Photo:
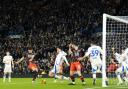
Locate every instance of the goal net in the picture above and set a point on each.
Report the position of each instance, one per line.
(115, 34)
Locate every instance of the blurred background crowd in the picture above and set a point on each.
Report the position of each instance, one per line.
(45, 24)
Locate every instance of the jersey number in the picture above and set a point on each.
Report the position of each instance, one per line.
(94, 53)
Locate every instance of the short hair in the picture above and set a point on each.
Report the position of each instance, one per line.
(59, 47)
(93, 40)
(29, 48)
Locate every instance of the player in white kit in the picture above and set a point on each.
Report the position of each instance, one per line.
(94, 53)
(125, 58)
(121, 67)
(57, 70)
(8, 61)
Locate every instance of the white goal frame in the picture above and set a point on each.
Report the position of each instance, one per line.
(116, 18)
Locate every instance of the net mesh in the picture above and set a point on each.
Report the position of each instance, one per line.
(117, 37)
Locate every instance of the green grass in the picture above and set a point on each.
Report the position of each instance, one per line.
(25, 83)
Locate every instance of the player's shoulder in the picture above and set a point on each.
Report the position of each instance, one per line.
(9, 56)
(126, 49)
(95, 47)
(4, 56)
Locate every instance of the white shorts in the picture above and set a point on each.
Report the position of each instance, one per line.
(123, 68)
(56, 69)
(96, 66)
(7, 69)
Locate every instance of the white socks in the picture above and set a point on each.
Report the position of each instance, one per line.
(9, 77)
(4, 77)
(61, 77)
(119, 78)
(94, 76)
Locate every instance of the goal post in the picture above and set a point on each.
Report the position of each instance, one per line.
(114, 34)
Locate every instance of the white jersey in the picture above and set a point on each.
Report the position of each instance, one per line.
(60, 58)
(118, 57)
(126, 55)
(120, 60)
(7, 60)
(94, 54)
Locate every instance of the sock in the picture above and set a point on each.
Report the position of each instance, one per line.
(35, 74)
(125, 79)
(82, 78)
(94, 76)
(65, 78)
(58, 77)
(9, 77)
(119, 78)
(99, 67)
(4, 77)
(72, 78)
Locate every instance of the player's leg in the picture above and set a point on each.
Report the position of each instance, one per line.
(9, 77)
(125, 77)
(118, 73)
(34, 70)
(5, 73)
(72, 71)
(33, 67)
(4, 76)
(99, 65)
(94, 69)
(51, 73)
(78, 68)
(54, 73)
(35, 74)
(61, 74)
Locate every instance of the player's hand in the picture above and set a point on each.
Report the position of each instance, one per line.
(70, 45)
(113, 48)
(16, 63)
(12, 66)
(80, 58)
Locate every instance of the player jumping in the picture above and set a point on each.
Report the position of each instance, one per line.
(8, 61)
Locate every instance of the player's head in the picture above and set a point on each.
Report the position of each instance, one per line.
(58, 49)
(93, 42)
(7, 53)
(30, 50)
(123, 49)
(73, 46)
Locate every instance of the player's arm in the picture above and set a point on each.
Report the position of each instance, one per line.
(65, 59)
(20, 60)
(12, 63)
(84, 57)
(113, 50)
(4, 60)
(69, 50)
(32, 58)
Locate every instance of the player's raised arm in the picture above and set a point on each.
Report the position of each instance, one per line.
(21, 59)
(113, 50)
(69, 50)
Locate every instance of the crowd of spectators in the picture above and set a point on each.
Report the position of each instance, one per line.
(45, 24)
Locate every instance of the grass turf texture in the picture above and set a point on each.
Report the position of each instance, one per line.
(25, 83)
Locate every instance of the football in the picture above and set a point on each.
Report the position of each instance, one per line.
(43, 81)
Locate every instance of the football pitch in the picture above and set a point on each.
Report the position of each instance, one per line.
(25, 83)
